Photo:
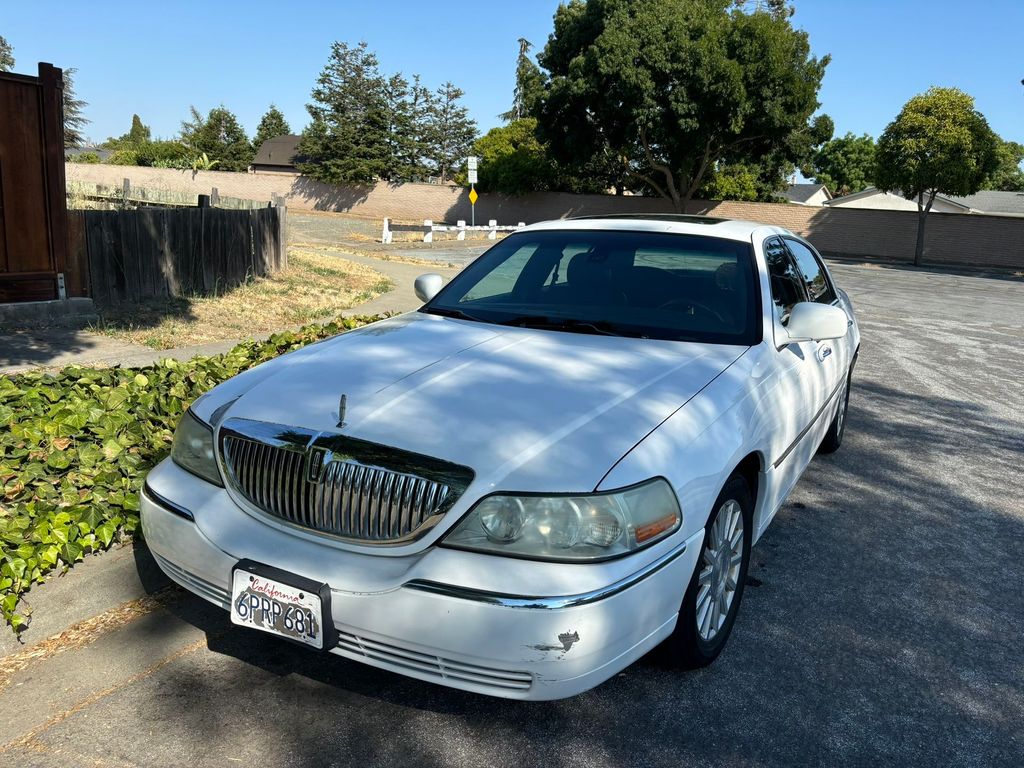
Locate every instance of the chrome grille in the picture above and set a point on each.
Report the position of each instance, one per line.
(348, 498)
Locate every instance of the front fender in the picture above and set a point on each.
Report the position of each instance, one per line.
(699, 446)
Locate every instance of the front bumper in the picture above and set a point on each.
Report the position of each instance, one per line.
(446, 630)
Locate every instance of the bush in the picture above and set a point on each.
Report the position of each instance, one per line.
(123, 157)
(89, 158)
(163, 154)
(76, 445)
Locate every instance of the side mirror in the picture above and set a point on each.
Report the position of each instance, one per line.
(810, 321)
(427, 286)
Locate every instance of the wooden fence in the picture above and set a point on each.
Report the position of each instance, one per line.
(153, 252)
(105, 197)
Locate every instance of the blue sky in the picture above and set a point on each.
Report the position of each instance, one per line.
(158, 58)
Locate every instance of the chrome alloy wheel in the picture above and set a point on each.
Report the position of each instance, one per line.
(720, 568)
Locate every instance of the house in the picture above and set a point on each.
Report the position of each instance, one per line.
(277, 155)
(807, 194)
(73, 153)
(890, 201)
(995, 202)
(990, 202)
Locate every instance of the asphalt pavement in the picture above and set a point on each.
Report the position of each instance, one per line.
(882, 625)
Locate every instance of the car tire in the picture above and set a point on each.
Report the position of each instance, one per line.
(834, 436)
(692, 644)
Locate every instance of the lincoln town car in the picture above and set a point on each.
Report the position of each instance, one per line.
(558, 464)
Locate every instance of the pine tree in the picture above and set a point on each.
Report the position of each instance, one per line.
(139, 133)
(347, 140)
(398, 117)
(451, 132)
(529, 85)
(272, 125)
(74, 120)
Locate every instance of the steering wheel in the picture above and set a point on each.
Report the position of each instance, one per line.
(689, 303)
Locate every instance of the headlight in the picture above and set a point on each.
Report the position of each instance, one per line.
(193, 449)
(593, 526)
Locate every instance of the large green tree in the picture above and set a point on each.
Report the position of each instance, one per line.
(219, 137)
(529, 85)
(512, 160)
(450, 132)
(845, 164)
(347, 139)
(74, 119)
(271, 125)
(1008, 175)
(939, 144)
(669, 89)
(6, 55)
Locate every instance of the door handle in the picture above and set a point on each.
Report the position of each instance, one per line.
(823, 352)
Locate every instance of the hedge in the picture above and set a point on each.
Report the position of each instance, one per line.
(76, 445)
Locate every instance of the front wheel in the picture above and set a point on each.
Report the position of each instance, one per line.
(713, 596)
(834, 436)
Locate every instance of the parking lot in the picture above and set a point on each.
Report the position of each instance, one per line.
(882, 625)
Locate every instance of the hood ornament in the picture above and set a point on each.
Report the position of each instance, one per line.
(342, 405)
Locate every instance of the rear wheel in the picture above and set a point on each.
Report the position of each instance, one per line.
(713, 596)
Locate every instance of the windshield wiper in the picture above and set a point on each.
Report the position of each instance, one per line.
(457, 313)
(571, 325)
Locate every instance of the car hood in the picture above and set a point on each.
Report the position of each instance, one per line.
(526, 409)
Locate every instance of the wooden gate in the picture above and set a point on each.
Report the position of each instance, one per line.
(33, 210)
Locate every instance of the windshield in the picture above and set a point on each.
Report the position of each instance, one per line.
(650, 285)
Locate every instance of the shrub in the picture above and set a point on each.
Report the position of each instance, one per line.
(123, 157)
(76, 445)
(162, 154)
(90, 158)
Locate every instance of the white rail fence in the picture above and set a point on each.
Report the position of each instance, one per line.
(428, 228)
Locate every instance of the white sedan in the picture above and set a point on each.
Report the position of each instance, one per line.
(558, 463)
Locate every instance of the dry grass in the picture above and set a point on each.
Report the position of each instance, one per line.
(316, 286)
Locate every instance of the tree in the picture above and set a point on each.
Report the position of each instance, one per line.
(731, 182)
(1008, 175)
(671, 88)
(219, 136)
(938, 144)
(6, 55)
(347, 141)
(272, 125)
(450, 132)
(414, 145)
(139, 133)
(512, 160)
(845, 165)
(399, 157)
(74, 120)
(529, 85)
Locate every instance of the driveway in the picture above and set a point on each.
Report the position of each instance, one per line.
(882, 625)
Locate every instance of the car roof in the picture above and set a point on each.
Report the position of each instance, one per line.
(706, 226)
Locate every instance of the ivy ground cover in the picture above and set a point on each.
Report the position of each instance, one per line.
(75, 447)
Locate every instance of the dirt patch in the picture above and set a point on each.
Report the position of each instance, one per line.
(317, 285)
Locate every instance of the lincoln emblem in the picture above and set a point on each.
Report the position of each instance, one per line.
(342, 404)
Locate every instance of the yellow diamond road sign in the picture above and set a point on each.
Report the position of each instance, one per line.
(473, 197)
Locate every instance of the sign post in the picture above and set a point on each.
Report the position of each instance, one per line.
(473, 196)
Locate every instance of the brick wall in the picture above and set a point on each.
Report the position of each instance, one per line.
(960, 239)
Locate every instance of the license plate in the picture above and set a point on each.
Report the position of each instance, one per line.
(280, 603)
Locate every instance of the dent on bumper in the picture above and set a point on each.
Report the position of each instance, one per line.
(499, 645)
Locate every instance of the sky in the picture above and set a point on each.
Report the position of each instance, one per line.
(157, 59)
